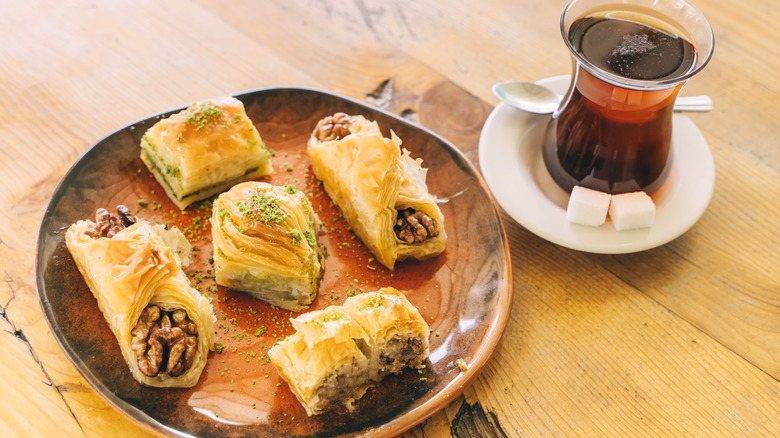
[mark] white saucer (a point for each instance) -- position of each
(510, 156)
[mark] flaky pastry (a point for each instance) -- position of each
(379, 188)
(336, 354)
(164, 327)
(265, 244)
(204, 150)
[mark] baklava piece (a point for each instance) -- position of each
(204, 150)
(265, 244)
(378, 187)
(164, 327)
(336, 354)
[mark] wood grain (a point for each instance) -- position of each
(679, 340)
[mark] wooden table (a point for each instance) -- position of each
(683, 339)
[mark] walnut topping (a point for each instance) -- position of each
(399, 352)
(161, 345)
(333, 127)
(125, 216)
(413, 226)
(108, 224)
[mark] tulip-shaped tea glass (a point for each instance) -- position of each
(613, 129)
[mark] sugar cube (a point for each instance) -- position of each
(587, 207)
(632, 210)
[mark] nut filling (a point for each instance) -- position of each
(414, 227)
(164, 341)
(400, 352)
(333, 127)
(108, 224)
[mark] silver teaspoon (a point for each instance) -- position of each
(538, 99)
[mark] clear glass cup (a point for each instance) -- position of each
(613, 129)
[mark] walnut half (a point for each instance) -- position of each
(107, 224)
(333, 127)
(414, 227)
(161, 345)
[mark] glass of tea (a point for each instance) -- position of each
(613, 129)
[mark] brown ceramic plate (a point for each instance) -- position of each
(464, 293)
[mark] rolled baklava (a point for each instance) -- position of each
(379, 188)
(204, 150)
(164, 327)
(336, 354)
(265, 244)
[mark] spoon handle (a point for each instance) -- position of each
(693, 103)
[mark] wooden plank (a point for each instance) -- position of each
(27, 388)
(591, 356)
